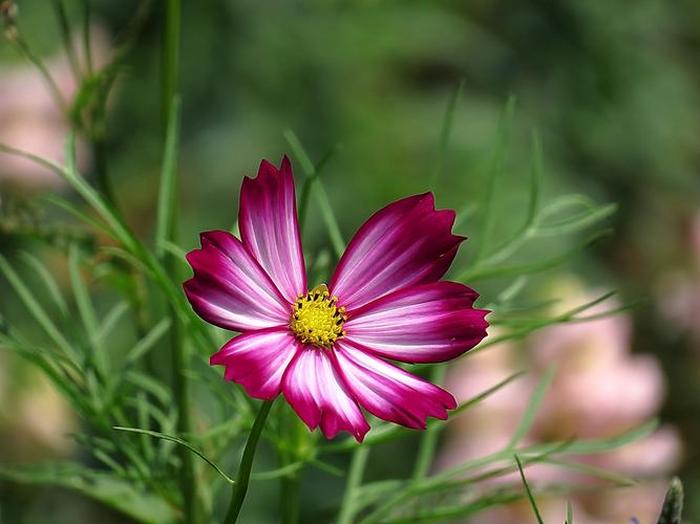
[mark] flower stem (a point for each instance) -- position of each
(357, 470)
(428, 443)
(240, 488)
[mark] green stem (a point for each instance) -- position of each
(87, 16)
(99, 151)
(171, 57)
(290, 498)
(62, 17)
(289, 483)
(428, 443)
(240, 488)
(304, 200)
(24, 49)
(170, 74)
(357, 470)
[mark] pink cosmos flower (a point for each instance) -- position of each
(324, 349)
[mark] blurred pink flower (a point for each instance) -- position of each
(31, 120)
(600, 389)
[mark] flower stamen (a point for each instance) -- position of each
(317, 319)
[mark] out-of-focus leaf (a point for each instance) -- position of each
(148, 341)
(593, 446)
(49, 281)
(486, 272)
(167, 194)
(37, 310)
(569, 513)
(446, 131)
(113, 492)
(323, 200)
(591, 471)
(533, 406)
(530, 496)
(181, 442)
(86, 311)
(111, 319)
(496, 168)
(673, 503)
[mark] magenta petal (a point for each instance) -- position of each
(269, 228)
(320, 397)
(257, 360)
(230, 289)
(406, 243)
(427, 323)
(389, 392)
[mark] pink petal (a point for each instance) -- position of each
(269, 229)
(427, 323)
(389, 392)
(257, 360)
(320, 397)
(406, 243)
(230, 289)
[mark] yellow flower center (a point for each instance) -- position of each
(316, 318)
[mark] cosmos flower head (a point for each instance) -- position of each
(327, 349)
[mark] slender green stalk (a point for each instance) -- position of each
(64, 25)
(171, 57)
(429, 440)
(23, 48)
(240, 488)
(357, 470)
(99, 153)
(290, 498)
(312, 180)
(530, 496)
(167, 226)
(87, 18)
(289, 482)
(445, 132)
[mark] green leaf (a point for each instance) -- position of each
(148, 341)
(50, 363)
(533, 406)
(37, 311)
(176, 251)
(446, 131)
(591, 471)
(569, 513)
(578, 222)
(167, 195)
(181, 442)
(315, 183)
(483, 272)
(594, 446)
(71, 209)
(49, 281)
(85, 307)
(530, 497)
(113, 492)
(673, 503)
(528, 229)
(495, 171)
(111, 319)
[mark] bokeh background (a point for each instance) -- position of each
(613, 89)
